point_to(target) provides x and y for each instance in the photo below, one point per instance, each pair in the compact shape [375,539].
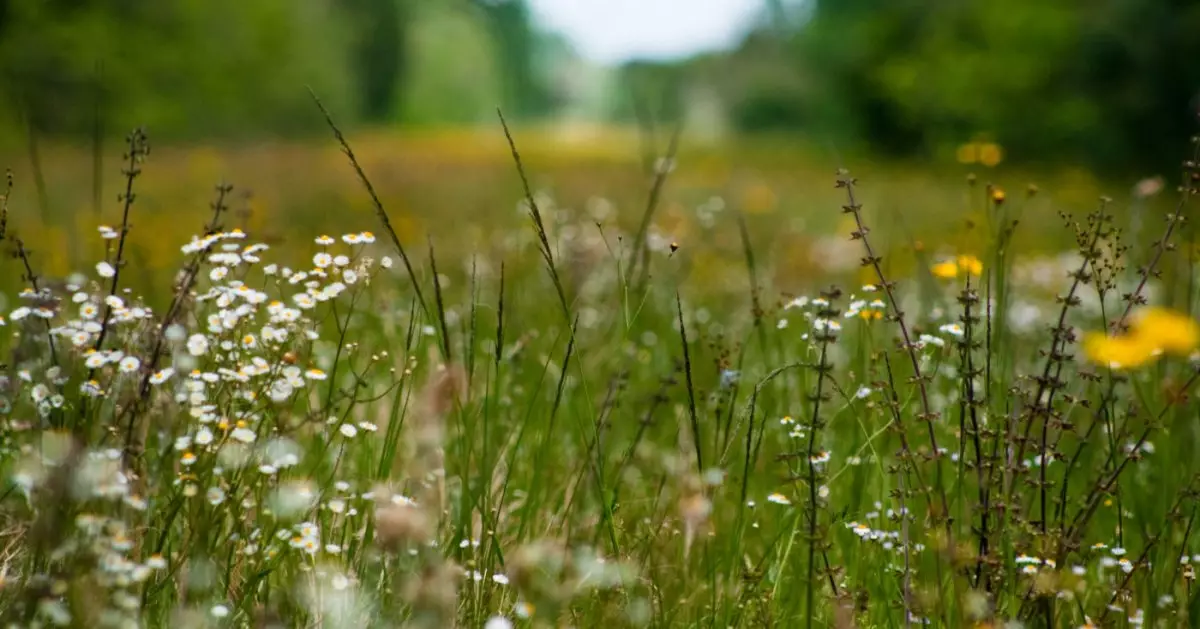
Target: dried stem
[4,204]
[380,212]
[687,370]
[662,168]
[539,226]
[1162,245]
[824,335]
[138,149]
[133,447]
[1079,522]
[874,261]
[1061,336]
[22,254]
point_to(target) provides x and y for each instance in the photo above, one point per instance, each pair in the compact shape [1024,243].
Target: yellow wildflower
[967,153]
[1118,352]
[1166,330]
[990,154]
[945,270]
[970,264]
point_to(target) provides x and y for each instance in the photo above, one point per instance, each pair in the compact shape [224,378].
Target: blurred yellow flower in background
[1117,352]
[759,198]
[1167,330]
[988,154]
[949,269]
[1152,332]
[970,264]
[945,270]
[967,153]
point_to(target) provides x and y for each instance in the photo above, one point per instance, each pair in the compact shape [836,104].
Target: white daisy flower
[315,374]
[245,435]
[197,345]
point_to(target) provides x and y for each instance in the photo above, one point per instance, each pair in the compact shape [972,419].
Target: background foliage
[1107,84]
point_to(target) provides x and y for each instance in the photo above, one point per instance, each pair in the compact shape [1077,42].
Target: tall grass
[573,430]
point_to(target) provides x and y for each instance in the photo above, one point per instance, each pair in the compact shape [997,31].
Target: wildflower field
[488,385]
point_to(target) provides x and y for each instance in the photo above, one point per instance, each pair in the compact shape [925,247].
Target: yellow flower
[759,198]
[990,154]
[967,153]
[1166,330]
[1118,352]
[970,264]
[945,270]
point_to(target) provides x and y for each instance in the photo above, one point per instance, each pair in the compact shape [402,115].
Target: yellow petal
[1117,352]
[945,270]
[970,264]
[1166,329]
[967,153]
[990,154]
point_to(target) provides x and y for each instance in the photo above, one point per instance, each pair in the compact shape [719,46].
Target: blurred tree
[512,31]
[210,66]
[454,76]
[231,67]
[1110,83]
[380,52]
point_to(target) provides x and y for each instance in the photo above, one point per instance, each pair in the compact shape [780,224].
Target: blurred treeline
[1108,83]
[212,68]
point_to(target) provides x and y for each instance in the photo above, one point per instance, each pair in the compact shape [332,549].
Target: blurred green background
[1104,83]
[1079,97]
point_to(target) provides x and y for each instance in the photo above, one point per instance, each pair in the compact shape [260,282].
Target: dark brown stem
[1174,219]
[1060,337]
[23,254]
[927,415]
[1102,485]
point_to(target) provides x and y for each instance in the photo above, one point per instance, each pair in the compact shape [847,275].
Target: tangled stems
[1191,172]
[133,445]
[1104,484]
[824,335]
[23,254]
[1061,336]
[970,407]
[853,208]
[139,147]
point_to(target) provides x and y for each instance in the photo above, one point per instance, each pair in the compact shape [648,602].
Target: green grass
[580,419]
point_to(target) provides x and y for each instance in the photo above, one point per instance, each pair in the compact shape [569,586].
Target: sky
[613,31]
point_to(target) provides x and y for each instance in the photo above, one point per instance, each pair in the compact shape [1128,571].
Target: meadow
[486,380]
